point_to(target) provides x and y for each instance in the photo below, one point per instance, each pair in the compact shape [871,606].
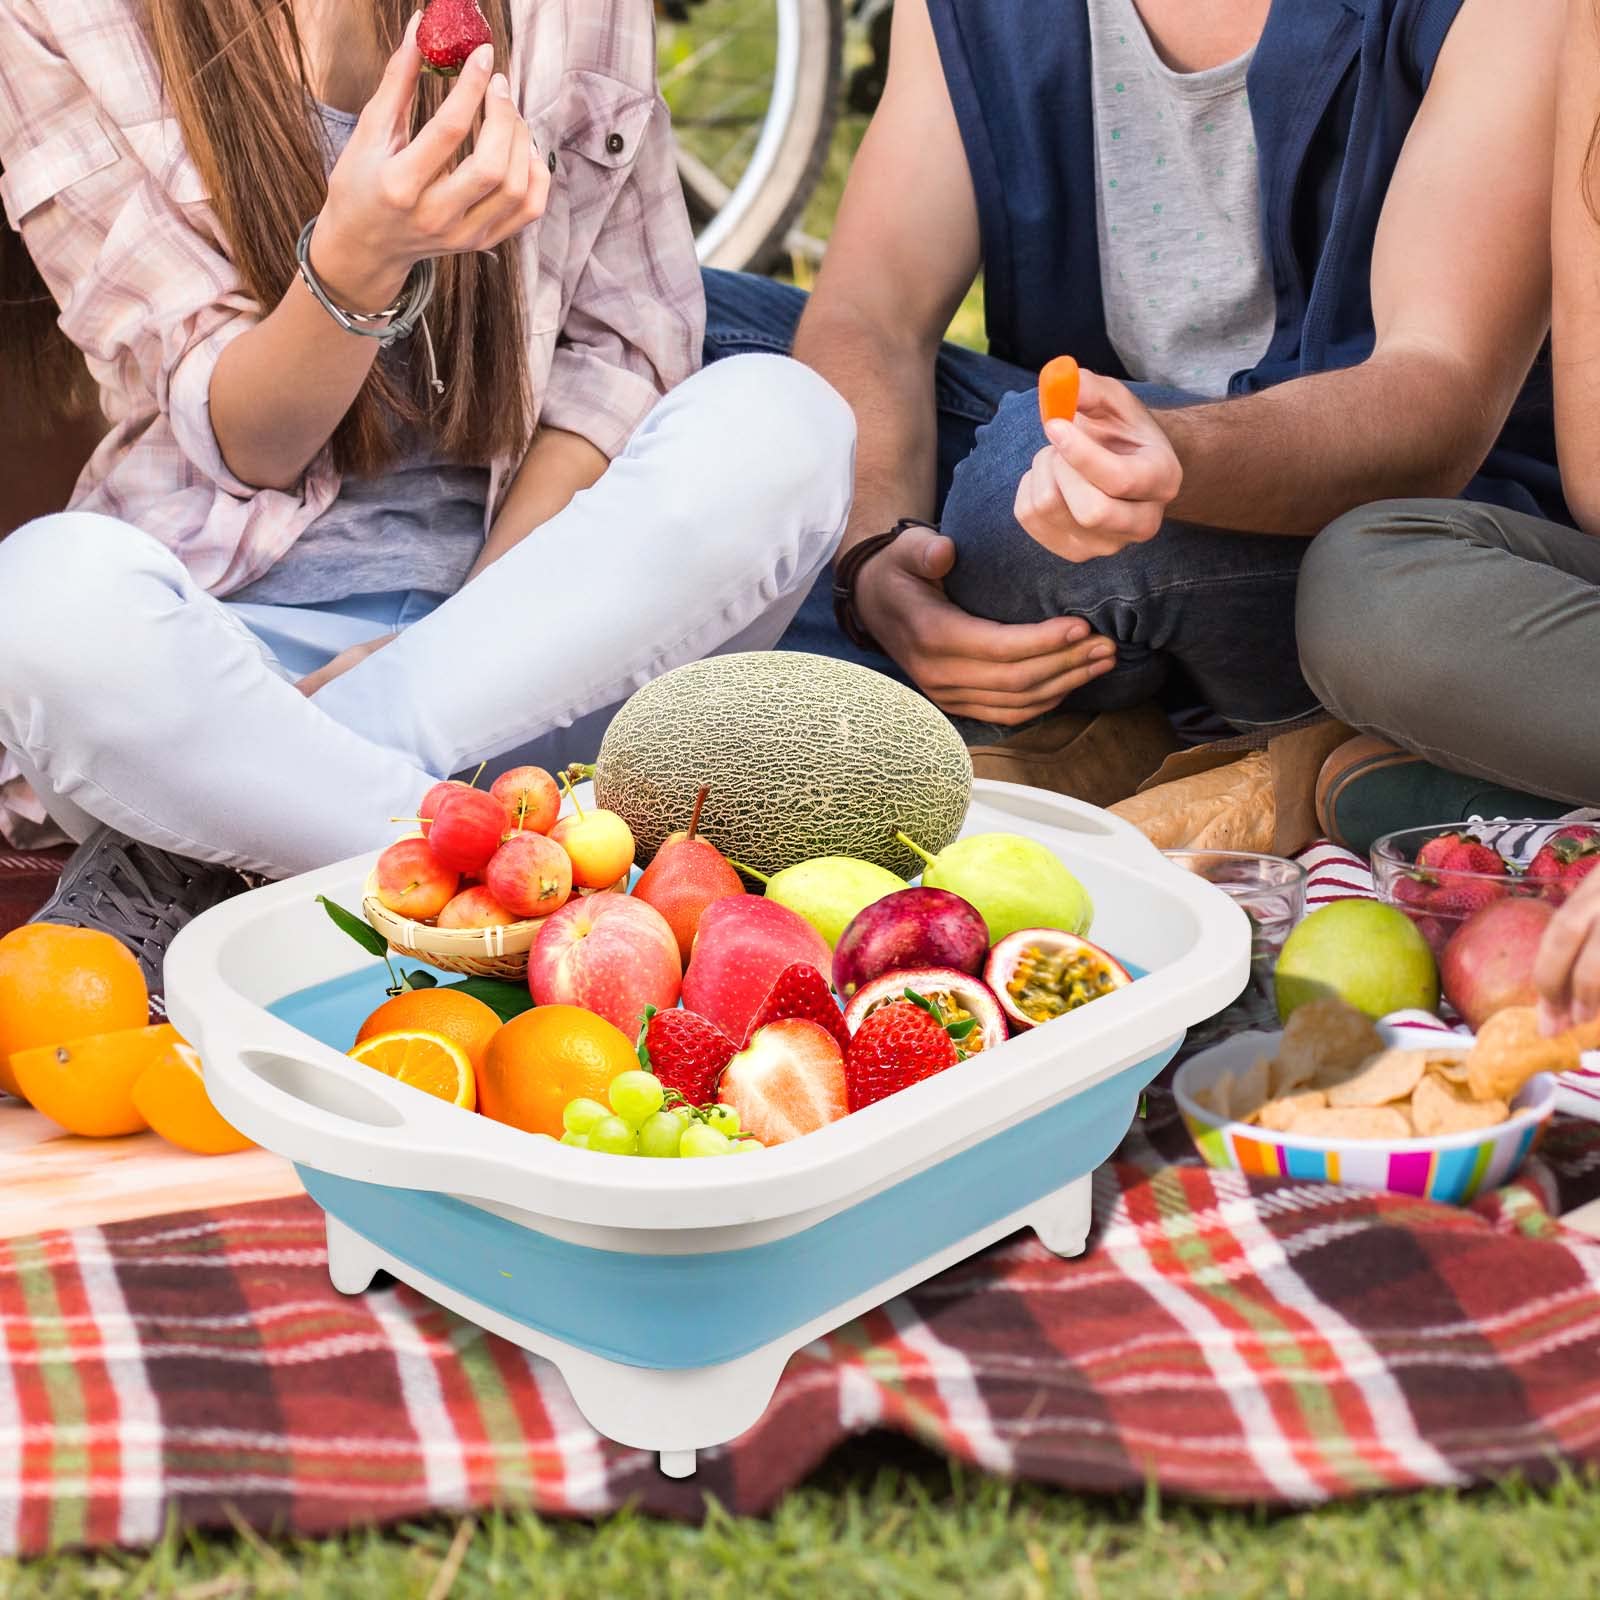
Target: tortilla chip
[1438,1107]
[1251,1090]
[1389,1075]
[1216,1096]
[1289,1077]
[1352,1122]
[1510,1049]
[1279,1115]
[1325,1040]
[1453,1069]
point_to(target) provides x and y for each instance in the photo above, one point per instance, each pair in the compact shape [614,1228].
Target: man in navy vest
[1301,250]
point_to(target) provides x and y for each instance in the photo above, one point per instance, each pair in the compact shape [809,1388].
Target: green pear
[829,891]
[1014,882]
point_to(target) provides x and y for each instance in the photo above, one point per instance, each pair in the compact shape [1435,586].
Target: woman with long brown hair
[408,459]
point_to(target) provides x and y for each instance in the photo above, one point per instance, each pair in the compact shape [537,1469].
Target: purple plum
[910,928]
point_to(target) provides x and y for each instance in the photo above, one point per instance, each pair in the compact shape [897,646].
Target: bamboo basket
[469,952]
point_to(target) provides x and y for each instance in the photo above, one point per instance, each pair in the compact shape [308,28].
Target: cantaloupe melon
[806,757]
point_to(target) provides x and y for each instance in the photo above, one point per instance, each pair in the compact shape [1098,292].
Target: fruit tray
[670,1294]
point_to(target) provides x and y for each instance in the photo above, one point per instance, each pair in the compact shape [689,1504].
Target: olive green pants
[1467,634]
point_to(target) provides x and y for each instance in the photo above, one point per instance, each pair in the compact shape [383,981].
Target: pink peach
[609,954]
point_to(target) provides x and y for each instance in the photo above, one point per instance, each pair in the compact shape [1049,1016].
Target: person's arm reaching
[1460,295]
[280,389]
[1575,233]
[904,252]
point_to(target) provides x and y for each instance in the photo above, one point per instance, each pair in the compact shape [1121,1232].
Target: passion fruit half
[959,996]
[1039,974]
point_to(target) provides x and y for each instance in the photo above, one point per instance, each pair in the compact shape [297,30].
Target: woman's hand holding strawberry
[391,201]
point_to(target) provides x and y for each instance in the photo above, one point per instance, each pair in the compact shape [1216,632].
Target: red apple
[434,798]
[412,882]
[475,907]
[610,954]
[742,944]
[531,799]
[467,829]
[530,875]
[1488,963]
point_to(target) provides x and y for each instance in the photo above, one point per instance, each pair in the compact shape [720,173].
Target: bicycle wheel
[753,87]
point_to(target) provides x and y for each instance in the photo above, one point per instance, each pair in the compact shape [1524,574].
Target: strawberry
[1565,859]
[449,32]
[898,1045]
[1414,891]
[1459,895]
[789,1080]
[801,991]
[1460,852]
[685,1052]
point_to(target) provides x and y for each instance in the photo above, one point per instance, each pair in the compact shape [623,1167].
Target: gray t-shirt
[419,525]
[1183,270]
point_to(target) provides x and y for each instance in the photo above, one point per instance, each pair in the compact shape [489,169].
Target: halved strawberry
[788,1081]
[801,991]
[686,1052]
[896,1046]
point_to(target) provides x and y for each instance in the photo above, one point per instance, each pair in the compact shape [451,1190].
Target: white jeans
[131,697]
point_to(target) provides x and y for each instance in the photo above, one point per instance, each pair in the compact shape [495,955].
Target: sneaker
[1369,787]
[138,894]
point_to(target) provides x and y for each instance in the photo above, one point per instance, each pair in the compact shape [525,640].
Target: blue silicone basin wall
[679,1311]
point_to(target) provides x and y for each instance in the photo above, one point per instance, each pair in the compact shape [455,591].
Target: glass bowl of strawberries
[1440,875]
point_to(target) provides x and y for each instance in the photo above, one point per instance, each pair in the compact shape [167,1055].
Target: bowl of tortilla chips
[1402,1104]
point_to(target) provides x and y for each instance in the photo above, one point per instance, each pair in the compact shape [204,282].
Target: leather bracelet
[847,573]
[393,322]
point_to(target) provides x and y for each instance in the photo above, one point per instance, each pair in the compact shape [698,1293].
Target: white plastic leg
[673,1413]
[1062,1219]
[352,1262]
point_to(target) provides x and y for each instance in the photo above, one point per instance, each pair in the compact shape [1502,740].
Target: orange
[171,1096]
[468,1022]
[544,1058]
[64,983]
[427,1061]
[87,1084]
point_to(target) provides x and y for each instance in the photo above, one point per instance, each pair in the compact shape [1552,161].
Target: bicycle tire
[753,239]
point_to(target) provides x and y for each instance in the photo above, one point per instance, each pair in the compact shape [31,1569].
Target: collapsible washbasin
[671,1293]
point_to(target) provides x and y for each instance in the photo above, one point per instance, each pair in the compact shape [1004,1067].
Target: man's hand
[1567,971]
[1106,478]
[341,664]
[1001,672]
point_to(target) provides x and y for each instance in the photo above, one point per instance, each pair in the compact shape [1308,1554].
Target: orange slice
[171,1096]
[427,1061]
[87,1084]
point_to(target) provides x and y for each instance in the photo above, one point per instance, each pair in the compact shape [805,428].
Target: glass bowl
[1537,860]
[1272,892]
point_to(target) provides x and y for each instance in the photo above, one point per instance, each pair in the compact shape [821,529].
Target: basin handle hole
[325,1091]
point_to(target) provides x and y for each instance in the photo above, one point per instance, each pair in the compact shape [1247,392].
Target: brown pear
[687,875]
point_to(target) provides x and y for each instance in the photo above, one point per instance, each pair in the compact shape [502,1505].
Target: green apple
[1367,953]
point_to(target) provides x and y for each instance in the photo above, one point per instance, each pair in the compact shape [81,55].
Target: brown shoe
[1362,757]
[1098,759]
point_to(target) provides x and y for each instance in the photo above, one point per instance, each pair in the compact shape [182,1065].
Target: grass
[912,1531]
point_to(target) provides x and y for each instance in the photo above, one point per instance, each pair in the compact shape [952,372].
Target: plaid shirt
[116,215]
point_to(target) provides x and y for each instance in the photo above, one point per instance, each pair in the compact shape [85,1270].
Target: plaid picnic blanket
[1224,1338]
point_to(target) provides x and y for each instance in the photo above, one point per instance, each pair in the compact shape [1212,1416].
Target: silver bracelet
[394,322]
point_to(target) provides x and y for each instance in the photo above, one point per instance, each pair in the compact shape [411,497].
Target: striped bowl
[1451,1168]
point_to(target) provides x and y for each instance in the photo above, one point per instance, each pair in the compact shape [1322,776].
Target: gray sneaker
[138,894]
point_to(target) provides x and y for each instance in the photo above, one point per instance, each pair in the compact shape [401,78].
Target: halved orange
[427,1061]
[171,1096]
[87,1084]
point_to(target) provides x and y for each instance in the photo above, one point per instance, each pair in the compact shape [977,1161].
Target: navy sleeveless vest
[1334,88]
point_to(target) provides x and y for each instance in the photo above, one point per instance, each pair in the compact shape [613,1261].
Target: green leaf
[506,1000]
[358,928]
[922,1001]
[419,978]
[959,1030]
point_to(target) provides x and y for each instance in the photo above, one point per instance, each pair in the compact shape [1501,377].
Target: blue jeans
[1199,616]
